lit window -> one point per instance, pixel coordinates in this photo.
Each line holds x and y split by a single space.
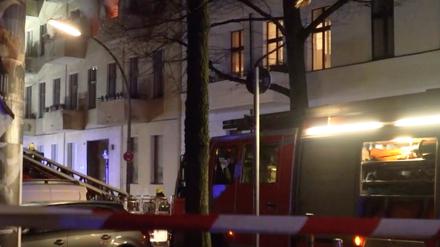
237 51
321 42
274 47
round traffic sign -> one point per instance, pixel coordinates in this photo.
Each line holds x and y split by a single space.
264 80
128 156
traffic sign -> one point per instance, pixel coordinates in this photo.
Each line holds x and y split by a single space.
264 80
128 156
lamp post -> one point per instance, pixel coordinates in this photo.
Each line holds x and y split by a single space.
128 155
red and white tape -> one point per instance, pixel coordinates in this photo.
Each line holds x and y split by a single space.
43 217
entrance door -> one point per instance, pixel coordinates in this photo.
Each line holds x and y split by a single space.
97 159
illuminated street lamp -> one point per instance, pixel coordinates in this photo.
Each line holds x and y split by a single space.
74 31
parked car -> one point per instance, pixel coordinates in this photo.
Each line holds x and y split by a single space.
89 238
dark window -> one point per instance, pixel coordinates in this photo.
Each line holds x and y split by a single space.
135 175
382 15
29 42
70 154
42 99
237 53
92 88
73 91
56 91
28 102
321 42
134 73
111 80
156 159
268 164
43 34
158 83
274 47
224 167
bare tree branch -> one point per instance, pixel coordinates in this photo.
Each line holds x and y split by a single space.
242 20
267 54
265 14
275 87
326 13
280 89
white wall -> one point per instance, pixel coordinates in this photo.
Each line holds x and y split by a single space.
169 130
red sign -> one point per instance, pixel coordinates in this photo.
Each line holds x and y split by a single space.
128 156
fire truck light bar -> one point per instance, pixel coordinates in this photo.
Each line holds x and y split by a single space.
418 121
342 128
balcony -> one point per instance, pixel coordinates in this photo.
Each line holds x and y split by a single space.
113 111
58 118
33 7
57 49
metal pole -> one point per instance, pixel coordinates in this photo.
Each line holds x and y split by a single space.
257 148
12 32
127 88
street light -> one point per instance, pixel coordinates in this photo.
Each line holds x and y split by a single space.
74 31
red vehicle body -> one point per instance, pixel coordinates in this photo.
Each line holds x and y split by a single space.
374 173
234 194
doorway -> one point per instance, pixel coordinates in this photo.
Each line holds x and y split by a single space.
98 160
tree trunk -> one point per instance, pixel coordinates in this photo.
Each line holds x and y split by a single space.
295 58
12 77
196 118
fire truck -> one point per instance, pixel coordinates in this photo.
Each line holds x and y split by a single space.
372 158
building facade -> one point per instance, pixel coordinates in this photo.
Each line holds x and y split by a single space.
77 98
362 51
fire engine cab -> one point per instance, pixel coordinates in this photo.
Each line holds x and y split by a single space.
373 158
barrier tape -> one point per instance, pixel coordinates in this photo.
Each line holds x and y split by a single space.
67 218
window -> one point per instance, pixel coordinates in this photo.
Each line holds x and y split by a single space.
237 53
134 73
42 99
158 74
92 87
321 42
70 160
111 8
224 167
156 159
274 47
43 34
29 43
40 149
56 91
135 175
111 80
28 111
73 91
382 15
268 164
53 152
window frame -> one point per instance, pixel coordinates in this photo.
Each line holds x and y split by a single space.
278 40
326 27
237 50
111 80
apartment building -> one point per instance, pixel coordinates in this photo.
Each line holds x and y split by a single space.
362 51
77 98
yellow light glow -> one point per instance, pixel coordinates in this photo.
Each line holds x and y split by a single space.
358 240
418 121
342 128
403 139
65 28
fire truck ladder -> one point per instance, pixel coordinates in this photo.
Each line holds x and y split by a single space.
96 189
